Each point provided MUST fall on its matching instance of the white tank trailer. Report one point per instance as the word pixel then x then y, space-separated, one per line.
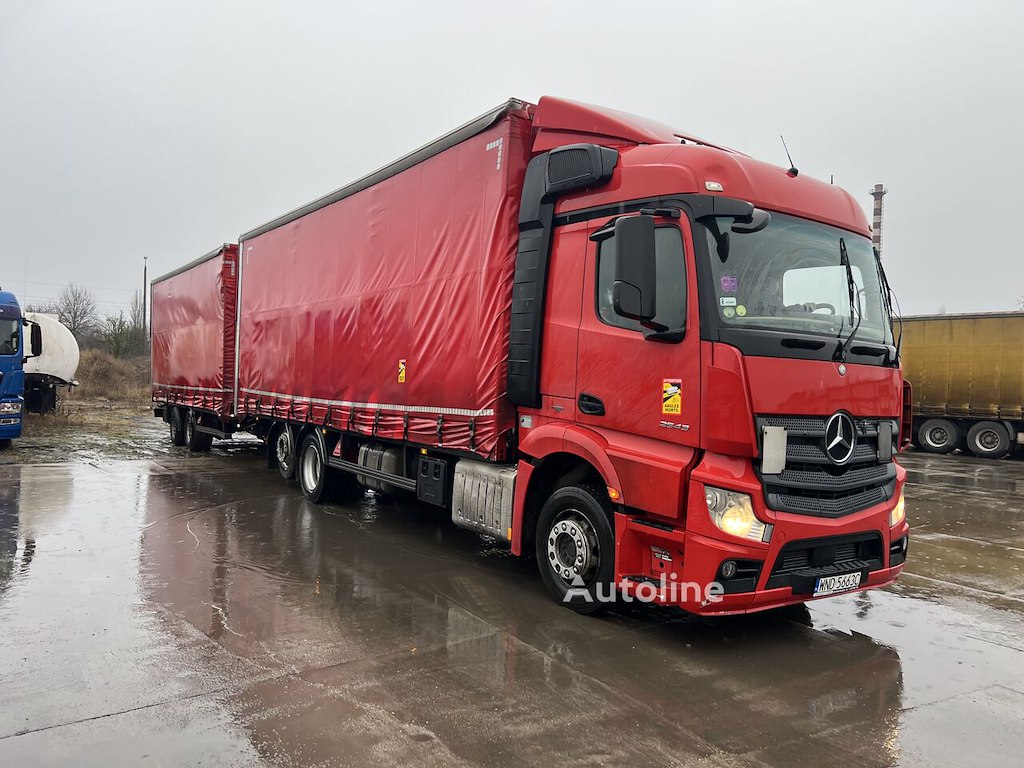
pixel 54 368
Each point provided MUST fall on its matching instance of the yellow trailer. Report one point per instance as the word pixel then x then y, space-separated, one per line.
pixel 967 373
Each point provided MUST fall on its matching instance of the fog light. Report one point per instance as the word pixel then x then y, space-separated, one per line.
pixel 899 512
pixel 733 513
pixel 728 569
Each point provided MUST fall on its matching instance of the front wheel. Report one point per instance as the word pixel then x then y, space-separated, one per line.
pixel 576 548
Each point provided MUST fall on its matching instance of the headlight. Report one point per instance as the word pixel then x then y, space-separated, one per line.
pixel 733 513
pixel 899 512
pixel 14 407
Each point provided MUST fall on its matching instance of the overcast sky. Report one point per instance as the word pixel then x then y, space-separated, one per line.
pixel 152 128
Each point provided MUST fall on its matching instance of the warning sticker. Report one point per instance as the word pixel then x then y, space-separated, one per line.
pixel 671 396
pixel 401 371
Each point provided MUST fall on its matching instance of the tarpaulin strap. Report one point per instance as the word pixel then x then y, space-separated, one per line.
pixel 291 410
pixel 351 419
pixel 273 409
pixel 405 426
pixel 327 416
pixel 440 427
pixel 376 423
pixel 472 434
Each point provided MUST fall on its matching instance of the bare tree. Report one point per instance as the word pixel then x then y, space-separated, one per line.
pixel 76 308
pixel 117 334
pixel 137 319
pixel 43 308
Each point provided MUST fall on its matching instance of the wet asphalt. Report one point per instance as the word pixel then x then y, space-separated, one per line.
pixel 195 610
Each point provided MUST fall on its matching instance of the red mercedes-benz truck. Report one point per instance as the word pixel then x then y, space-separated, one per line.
pixel 663 368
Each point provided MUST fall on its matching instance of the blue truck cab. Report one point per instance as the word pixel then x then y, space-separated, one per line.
pixel 12 358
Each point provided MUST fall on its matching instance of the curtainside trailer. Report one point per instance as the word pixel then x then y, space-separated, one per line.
pixel 967 373
pixel 661 367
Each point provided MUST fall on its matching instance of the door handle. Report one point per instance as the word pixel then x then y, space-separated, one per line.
pixel 590 405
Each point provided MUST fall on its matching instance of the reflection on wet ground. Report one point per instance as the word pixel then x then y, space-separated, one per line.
pixel 196 609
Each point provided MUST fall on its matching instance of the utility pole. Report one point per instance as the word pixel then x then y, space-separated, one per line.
pixel 145 292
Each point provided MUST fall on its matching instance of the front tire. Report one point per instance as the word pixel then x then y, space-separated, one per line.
pixel 575 548
pixel 938 436
pixel 988 440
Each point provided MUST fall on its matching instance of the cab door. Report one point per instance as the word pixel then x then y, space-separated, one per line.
pixel 629 383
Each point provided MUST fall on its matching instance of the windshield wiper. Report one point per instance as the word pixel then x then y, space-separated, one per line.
pixel 851 286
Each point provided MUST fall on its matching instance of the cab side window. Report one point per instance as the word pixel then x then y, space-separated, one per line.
pixel 671 291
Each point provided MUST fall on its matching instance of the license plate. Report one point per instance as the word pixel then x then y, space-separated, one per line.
pixel 830 585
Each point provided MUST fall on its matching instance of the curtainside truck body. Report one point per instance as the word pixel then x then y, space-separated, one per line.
pixel 663 368
pixel 967 373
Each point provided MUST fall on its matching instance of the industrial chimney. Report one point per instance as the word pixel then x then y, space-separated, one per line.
pixel 876 220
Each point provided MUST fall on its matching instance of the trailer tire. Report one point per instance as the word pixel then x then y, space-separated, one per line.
pixel 316 479
pixel 176 427
pixel 284 453
pixel 938 436
pixel 575 548
pixel 197 442
pixel 988 440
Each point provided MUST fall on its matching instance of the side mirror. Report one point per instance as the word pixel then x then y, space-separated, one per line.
pixel 36 340
pixel 635 270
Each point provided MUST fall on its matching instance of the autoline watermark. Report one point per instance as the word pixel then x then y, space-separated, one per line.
pixel 666 590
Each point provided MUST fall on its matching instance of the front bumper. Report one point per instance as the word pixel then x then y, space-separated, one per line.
pixel 671 566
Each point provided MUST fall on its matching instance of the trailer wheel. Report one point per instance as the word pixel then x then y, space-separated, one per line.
pixel 315 477
pixel 197 441
pixel 284 451
pixel 177 428
pixel 938 436
pixel 988 439
pixel 575 548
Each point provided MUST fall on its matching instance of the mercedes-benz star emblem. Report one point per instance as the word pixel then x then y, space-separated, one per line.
pixel 840 438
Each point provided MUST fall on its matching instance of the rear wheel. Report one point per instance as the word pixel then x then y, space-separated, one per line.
pixel 175 422
pixel 575 548
pixel 284 451
pixel 988 439
pixel 938 436
pixel 314 474
pixel 196 441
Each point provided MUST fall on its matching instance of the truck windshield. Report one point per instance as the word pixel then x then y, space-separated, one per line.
pixel 9 331
pixel 791 276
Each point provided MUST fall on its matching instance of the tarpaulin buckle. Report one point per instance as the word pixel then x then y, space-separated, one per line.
pixel 327 416
pixel 405 426
pixel 351 419
pixel 376 423
pixel 472 434
pixel 440 428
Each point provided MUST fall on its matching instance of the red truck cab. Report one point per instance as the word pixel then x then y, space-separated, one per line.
pixel 745 425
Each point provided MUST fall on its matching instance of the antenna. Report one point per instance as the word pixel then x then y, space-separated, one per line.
pixel 792 168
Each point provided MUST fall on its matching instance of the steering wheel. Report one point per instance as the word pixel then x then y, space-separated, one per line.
pixel 811 307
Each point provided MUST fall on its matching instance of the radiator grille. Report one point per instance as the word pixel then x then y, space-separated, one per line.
pixel 811 484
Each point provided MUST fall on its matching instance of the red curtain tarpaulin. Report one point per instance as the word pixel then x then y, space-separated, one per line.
pixel 387 312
